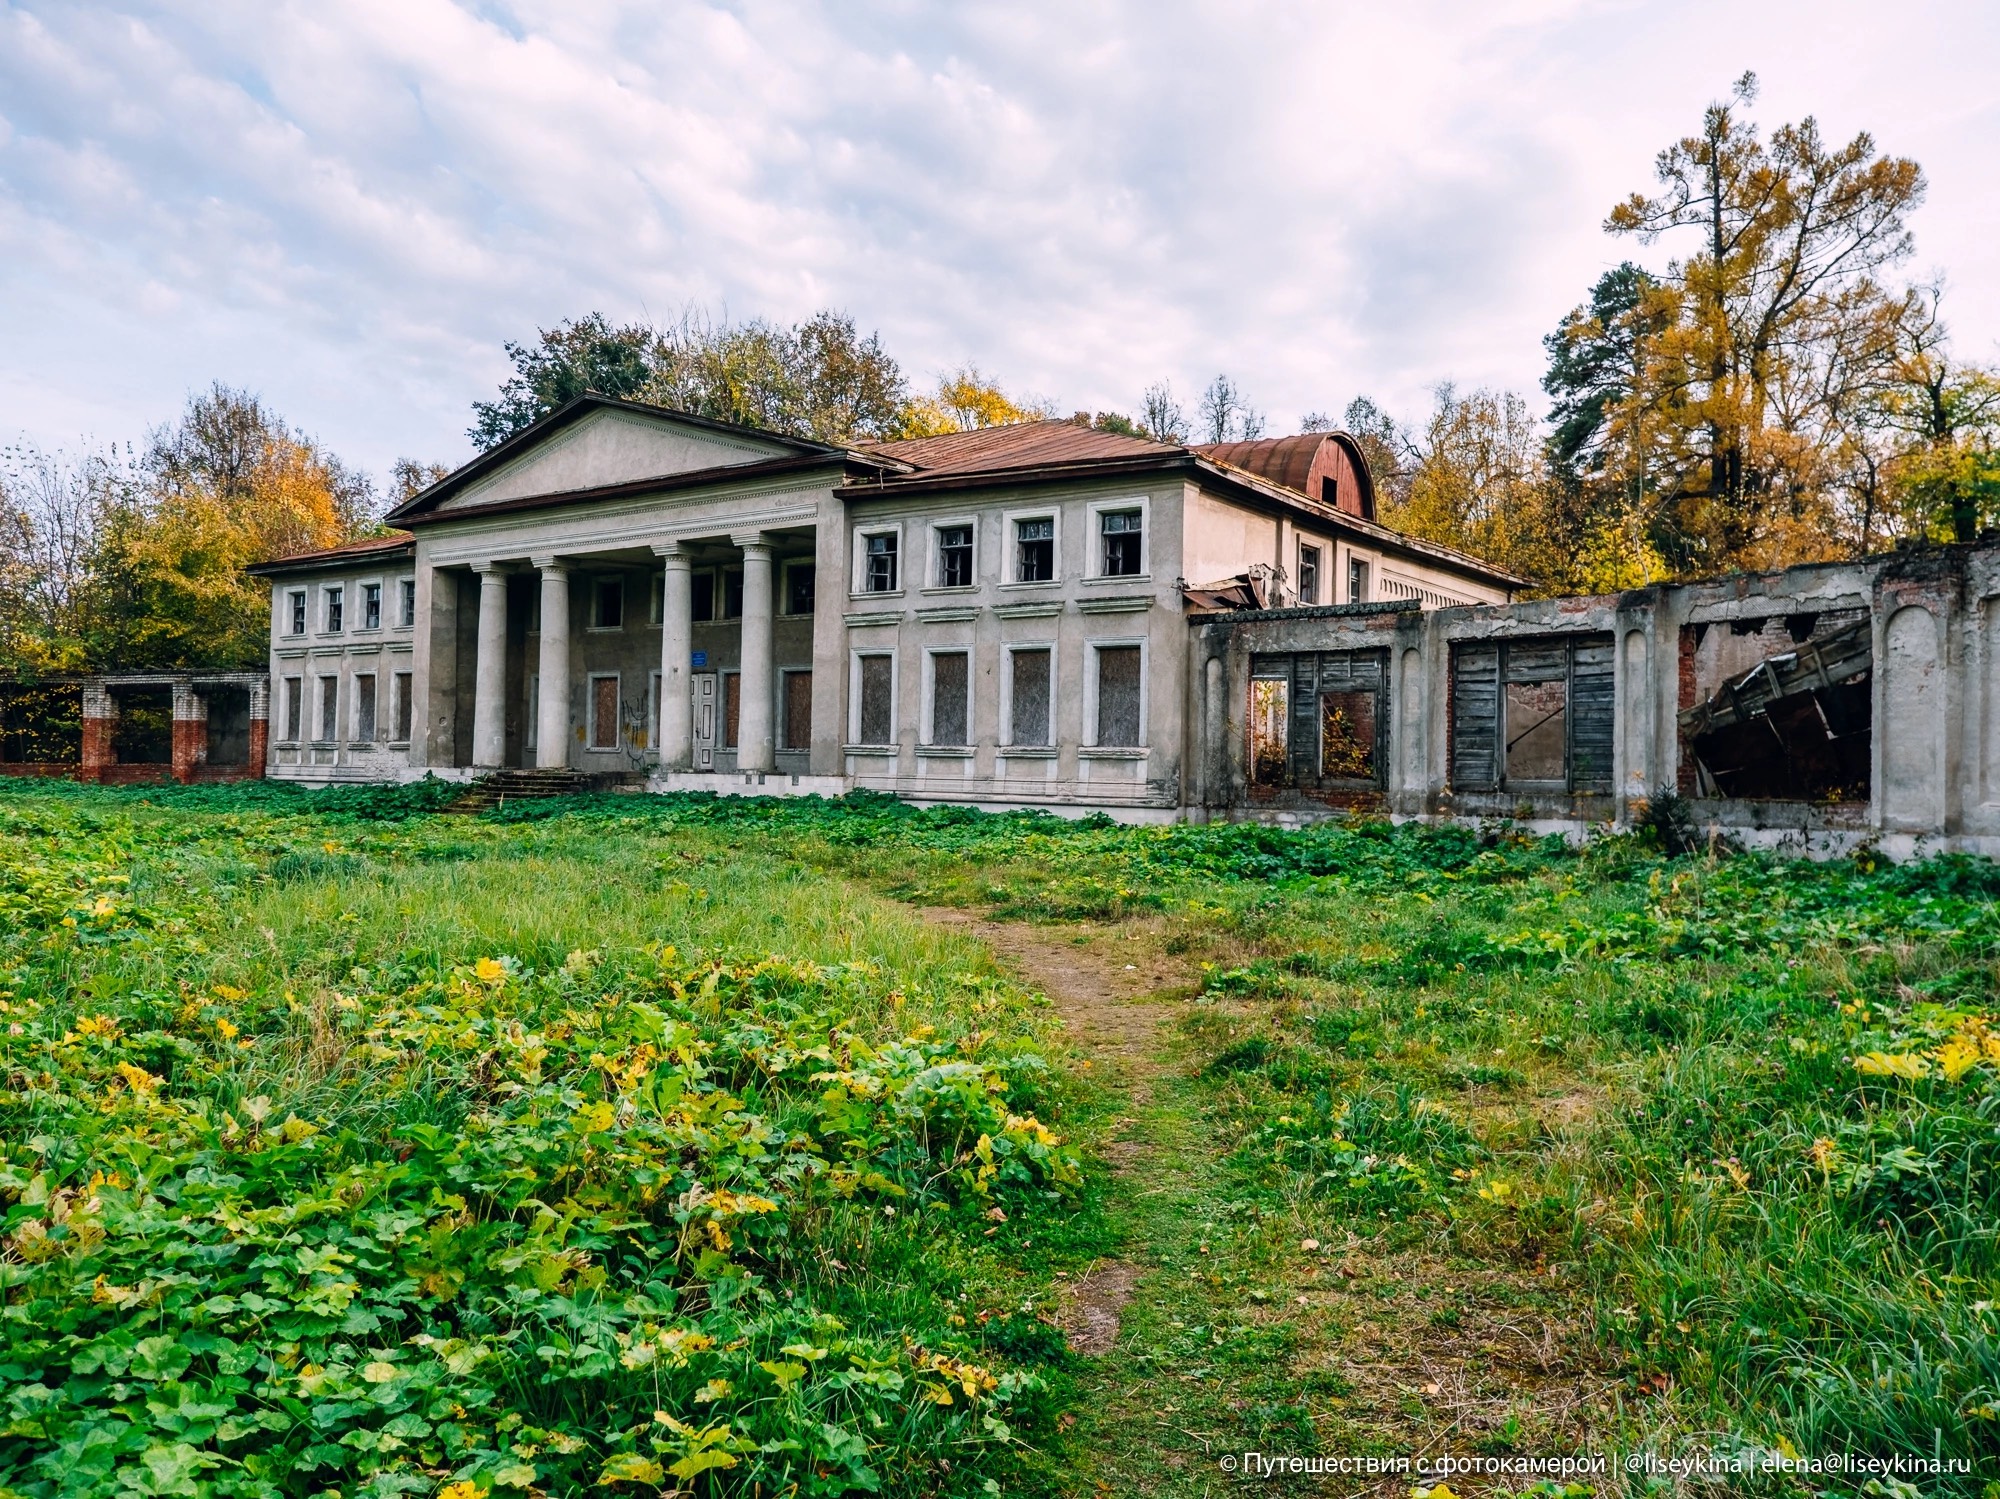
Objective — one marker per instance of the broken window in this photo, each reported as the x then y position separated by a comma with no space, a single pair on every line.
1308,574
399,706
1124,530
1533,713
1035,550
1783,709
1357,581
329,709
1314,717
877,717
954,556
701,596
1029,713
607,611
1118,690
294,707
1269,716
879,566
371,606
298,602
406,593
949,684
799,588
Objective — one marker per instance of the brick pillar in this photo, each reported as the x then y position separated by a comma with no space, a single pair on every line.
190,731
260,727
100,722
1685,779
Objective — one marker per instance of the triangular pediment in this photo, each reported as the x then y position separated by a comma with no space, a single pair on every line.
608,445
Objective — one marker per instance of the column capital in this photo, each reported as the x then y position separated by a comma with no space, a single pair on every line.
752,542
674,553
550,567
490,569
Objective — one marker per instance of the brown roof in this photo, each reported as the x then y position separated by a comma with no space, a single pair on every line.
1282,460
367,546
1016,445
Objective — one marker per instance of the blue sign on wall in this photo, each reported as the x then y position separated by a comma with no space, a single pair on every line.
701,658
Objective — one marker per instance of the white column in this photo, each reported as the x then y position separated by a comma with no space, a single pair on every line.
755,750
552,705
489,675
676,659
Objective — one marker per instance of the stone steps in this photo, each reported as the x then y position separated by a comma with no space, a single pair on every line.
516,783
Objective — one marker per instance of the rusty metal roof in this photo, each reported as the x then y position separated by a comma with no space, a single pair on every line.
1282,460
1016,445
367,546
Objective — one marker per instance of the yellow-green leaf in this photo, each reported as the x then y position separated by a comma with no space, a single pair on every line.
632,1467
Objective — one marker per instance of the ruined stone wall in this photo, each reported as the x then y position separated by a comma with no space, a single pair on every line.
1813,708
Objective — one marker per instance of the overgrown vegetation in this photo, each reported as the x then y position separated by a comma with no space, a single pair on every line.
1714,1136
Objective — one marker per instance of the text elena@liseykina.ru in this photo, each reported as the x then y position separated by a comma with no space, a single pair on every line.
1438,1468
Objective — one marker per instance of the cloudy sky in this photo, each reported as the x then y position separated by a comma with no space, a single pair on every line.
349,205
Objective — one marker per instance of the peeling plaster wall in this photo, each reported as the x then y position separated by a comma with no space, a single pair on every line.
1934,617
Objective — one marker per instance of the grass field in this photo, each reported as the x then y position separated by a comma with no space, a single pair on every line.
657,1142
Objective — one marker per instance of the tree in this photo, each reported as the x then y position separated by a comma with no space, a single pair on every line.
964,401
584,354
1760,323
1161,417
1385,447
1944,416
411,477
54,510
1225,416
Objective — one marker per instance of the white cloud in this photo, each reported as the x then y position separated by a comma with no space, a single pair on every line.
349,208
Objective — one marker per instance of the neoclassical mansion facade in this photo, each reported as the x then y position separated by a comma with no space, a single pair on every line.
999,616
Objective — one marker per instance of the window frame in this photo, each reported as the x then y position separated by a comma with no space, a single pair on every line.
327,713
1318,550
333,609
1361,567
855,656
598,584
1010,521
294,709
928,721
858,583
1096,511
934,559
356,726
406,603
1091,676
371,597
783,725
789,569
403,706
1009,742
298,612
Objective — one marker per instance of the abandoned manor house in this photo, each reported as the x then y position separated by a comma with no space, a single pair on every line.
1046,615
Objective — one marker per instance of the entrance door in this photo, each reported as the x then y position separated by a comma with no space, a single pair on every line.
704,720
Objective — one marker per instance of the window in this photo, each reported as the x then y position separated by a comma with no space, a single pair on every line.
875,716
334,601
799,588
406,599
1035,550
371,606
1314,717
701,596
604,712
798,725
607,604
399,707
732,593
950,685
298,612
1308,574
1123,531
1118,695
1270,716
295,694
329,709
1357,581
954,556
364,707
732,707
1534,712
1029,695
1329,491
878,572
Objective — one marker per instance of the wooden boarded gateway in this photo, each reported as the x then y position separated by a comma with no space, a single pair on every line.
1533,714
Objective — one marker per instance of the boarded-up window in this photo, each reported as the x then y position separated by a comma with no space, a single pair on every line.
949,685
329,708
877,718
1533,713
294,706
364,707
399,716
732,706
1118,718
1269,715
798,709
1030,711
604,713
